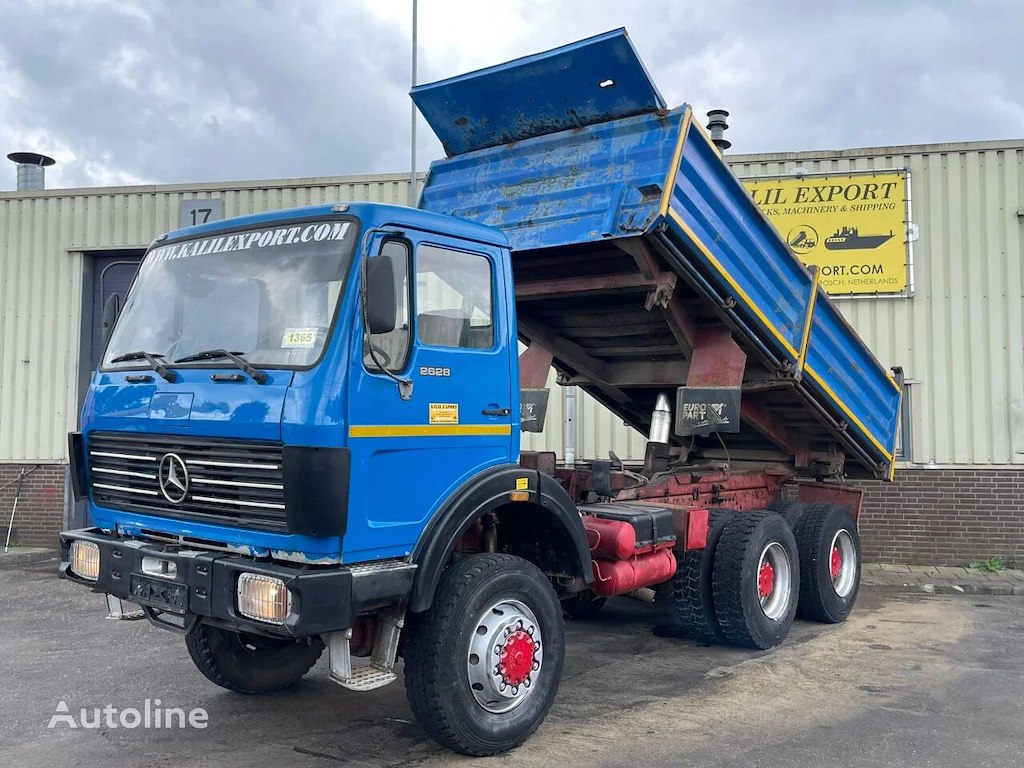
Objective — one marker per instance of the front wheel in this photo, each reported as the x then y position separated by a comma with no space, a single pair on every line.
248,663
483,664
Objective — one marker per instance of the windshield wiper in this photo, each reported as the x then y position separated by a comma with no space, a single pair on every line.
149,357
235,357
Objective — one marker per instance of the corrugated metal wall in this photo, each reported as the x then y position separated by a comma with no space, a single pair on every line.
960,338
42,238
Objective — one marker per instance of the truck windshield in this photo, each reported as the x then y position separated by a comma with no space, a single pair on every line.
268,293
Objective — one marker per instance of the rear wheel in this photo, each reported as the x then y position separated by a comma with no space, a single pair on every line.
756,578
791,511
829,548
249,663
687,601
483,664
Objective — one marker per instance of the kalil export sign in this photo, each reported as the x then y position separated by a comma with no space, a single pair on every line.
853,227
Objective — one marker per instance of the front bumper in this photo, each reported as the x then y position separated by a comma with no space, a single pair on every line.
324,598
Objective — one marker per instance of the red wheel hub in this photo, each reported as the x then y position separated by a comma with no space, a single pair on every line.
835,563
516,660
765,579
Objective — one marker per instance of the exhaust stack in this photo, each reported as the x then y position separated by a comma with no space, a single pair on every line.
661,420
31,170
717,127
657,452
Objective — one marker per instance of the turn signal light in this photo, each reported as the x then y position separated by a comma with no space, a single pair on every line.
85,560
263,598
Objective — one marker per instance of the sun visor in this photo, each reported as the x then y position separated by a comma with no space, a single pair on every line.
587,82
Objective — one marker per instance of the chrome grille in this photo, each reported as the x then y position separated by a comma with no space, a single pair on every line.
229,481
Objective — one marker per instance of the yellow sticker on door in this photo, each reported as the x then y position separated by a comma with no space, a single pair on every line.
444,413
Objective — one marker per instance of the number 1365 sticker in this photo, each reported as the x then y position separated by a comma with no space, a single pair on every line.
298,338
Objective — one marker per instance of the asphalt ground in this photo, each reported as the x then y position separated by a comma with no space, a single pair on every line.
909,680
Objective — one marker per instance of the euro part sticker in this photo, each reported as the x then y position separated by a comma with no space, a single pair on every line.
298,338
444,413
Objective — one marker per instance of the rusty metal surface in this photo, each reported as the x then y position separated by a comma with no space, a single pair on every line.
534,364
590,81
820,493
718,361
692,489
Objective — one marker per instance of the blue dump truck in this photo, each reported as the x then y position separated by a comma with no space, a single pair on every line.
304,434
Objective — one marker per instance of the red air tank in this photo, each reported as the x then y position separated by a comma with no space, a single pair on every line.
611,539
617,577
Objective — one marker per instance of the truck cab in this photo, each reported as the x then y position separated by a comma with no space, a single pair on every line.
296,419
325,399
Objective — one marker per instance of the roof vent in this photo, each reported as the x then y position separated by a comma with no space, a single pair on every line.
717,126
31,170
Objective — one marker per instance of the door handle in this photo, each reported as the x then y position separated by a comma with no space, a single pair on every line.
496,411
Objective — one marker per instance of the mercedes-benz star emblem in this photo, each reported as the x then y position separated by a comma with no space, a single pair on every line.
173,478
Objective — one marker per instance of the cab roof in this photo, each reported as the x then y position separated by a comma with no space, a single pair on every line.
369,214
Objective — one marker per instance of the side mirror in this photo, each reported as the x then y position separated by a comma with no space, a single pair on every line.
111,309
381,311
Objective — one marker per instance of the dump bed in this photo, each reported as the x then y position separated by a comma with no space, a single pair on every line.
631,239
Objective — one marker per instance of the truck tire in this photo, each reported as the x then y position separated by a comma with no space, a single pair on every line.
791,511
688,601
756,580
583,606
483,663
248,663
829,548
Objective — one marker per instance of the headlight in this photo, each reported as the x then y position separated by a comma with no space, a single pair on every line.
263,598
85,560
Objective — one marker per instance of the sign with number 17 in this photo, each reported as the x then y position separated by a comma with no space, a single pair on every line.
200,211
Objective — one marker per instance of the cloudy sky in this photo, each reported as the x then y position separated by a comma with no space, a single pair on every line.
141,91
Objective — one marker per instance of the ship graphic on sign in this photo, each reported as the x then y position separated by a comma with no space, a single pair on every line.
850,238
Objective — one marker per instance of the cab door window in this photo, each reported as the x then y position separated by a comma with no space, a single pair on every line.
454,298
392,348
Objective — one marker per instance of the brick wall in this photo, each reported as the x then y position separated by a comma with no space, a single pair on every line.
944,517
936,517
40,514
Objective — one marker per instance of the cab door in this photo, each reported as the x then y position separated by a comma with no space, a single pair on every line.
451,341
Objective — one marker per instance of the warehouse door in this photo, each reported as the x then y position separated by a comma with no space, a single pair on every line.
112,275
106,273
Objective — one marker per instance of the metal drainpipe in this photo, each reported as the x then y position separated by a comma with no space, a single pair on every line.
570,425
